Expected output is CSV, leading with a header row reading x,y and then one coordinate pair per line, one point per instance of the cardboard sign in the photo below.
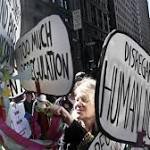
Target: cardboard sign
x,y
123,91
10,24
46,49
14,83
6,48
101,142
17,121
10,18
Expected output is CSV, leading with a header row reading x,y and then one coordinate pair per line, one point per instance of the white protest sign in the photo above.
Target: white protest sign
x,y
17,121
10,25
6,48
101,142
46,49
10,18
123,91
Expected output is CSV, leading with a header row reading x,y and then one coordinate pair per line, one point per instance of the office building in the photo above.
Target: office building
x,y
131,16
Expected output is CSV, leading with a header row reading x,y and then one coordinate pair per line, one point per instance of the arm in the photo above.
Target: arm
x,y
75,133
78,135
62,112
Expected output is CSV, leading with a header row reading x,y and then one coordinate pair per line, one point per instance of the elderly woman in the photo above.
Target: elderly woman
x,y
82,128
80,131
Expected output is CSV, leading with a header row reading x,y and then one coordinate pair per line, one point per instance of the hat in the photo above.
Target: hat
x,y
42,98
18,97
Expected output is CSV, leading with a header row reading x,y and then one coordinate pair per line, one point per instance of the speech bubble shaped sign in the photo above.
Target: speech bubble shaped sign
x,y
123,91
46,49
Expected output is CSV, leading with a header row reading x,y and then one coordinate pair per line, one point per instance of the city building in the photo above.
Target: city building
x,y
94,29
35,10
131,16
144,25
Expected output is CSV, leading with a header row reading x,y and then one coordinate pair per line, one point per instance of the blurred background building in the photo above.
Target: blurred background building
x,y
89,22
131,16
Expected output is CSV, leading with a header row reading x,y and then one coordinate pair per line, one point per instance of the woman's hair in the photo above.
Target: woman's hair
x,y
86,85
86,82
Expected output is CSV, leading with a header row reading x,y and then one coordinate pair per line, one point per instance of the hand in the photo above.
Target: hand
x,y
62,112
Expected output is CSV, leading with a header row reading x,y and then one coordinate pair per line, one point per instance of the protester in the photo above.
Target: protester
x,y
28,103
80,132
82,128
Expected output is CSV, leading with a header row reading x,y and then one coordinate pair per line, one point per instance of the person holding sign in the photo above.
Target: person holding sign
x,y
80,131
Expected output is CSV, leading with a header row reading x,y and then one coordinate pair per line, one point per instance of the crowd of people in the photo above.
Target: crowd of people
x,y
69,120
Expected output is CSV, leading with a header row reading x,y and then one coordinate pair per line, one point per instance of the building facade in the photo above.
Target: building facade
x,y
131,16
95,27
144,25
34,11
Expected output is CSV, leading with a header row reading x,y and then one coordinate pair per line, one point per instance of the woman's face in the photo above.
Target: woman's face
x,y
84,105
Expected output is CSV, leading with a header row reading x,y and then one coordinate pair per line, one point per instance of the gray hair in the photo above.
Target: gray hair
x,y
86,85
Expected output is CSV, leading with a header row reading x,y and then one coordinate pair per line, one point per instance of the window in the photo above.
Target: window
x,y
66,4
45,1
38,6
105,22
100,19
85,8
93,15
61,3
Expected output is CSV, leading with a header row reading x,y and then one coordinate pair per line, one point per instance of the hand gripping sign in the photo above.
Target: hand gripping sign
x,y
123,91
46,50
